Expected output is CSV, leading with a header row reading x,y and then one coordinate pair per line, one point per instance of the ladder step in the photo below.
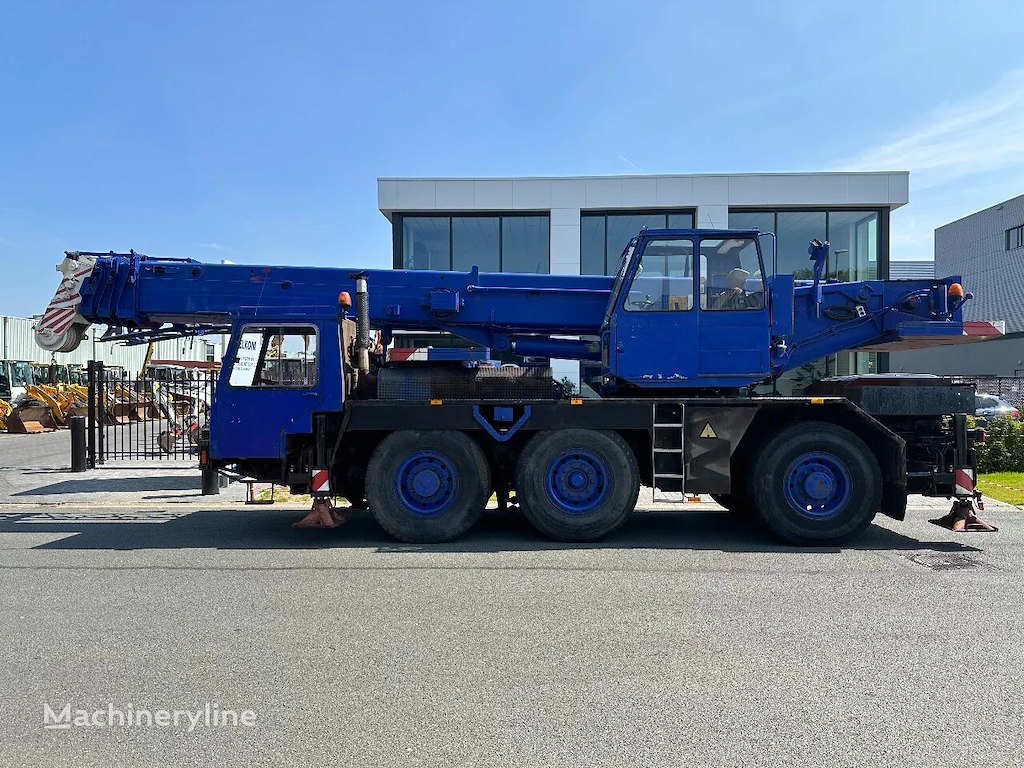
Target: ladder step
x,y
657,424
668,450
670,477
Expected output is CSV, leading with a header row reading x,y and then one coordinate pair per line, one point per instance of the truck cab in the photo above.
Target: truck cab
x,y
15,377
688,305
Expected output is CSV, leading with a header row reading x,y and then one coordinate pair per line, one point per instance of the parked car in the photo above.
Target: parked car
x,y
990,407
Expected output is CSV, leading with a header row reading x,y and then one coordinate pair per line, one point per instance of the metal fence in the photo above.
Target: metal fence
x,y
1008,388
156,416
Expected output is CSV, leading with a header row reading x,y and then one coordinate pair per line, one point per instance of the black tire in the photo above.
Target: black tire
x,y
816,484
600,461
738,505
425,487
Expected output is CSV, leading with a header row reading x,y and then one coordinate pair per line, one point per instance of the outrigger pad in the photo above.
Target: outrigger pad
x,y
322,515
962,519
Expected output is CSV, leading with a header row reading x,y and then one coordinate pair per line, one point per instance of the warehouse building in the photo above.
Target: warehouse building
x,y
17,343
987,250
580,225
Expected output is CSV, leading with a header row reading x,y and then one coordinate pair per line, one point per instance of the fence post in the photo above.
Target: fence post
x,y
101,412
92,416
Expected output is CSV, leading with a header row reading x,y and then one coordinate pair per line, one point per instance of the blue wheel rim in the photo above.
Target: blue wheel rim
x,y
427,483
817,485
578,481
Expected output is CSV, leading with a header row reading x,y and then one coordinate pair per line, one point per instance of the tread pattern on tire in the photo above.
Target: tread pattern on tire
x,y
541,511
766,478
474,480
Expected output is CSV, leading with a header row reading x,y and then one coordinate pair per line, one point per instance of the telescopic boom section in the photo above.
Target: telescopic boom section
x,y
141,298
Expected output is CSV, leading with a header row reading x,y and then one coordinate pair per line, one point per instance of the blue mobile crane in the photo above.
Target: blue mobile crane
x,y
690,336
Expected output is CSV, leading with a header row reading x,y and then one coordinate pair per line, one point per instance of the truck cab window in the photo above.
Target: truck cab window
x,y
664,278
275,356
730,275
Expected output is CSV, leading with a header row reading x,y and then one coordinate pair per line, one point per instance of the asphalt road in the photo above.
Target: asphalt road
x,y
687,639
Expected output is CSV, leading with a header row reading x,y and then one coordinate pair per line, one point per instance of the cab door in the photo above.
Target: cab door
x,y
735,332
654,326
271,386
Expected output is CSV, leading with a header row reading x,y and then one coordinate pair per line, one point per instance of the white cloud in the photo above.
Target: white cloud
x,y
958,139
214,246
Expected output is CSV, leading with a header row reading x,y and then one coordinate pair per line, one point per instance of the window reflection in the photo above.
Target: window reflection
x,y
603,236
853,237
426,242
475,242
524,244
492,243
794,230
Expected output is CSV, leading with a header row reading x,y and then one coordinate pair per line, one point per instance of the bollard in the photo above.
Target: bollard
x,y
78,455
211,481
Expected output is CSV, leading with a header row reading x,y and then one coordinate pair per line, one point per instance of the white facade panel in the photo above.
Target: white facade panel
x,y
711,190
417,195
493,194
533,194
568,193
672,191
561,217
604,193
455,195
639,192
869,186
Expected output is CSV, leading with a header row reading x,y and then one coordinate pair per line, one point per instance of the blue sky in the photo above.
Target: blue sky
x,y
255,131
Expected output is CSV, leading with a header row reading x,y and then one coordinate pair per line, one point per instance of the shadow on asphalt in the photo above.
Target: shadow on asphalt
x,y
119,484
270,529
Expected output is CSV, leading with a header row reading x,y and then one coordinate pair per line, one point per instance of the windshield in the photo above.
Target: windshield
x,y
21,374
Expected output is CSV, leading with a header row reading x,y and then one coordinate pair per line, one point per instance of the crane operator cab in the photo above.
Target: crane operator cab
x,y
688,309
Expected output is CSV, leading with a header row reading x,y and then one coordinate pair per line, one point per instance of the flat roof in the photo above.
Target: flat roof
x,y
876,189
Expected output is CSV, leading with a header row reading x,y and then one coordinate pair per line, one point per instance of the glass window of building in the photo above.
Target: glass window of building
x,y
476,241
513,243
855,253
525,244
795,230
426,242
853,237
603,236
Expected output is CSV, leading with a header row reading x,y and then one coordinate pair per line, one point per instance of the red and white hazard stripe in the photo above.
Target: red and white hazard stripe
x,y
984,329
964,481
405,354
63,307
320,482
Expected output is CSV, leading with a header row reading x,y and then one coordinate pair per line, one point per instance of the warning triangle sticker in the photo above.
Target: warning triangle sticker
x,y
708,431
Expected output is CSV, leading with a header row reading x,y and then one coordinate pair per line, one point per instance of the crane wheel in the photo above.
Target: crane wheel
x,y
428,486
816,484
577,484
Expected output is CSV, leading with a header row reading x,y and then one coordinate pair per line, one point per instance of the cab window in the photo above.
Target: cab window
x,y
664,278
275,356
730,275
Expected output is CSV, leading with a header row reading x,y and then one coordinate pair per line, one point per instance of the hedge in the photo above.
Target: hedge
x,y
1003,450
